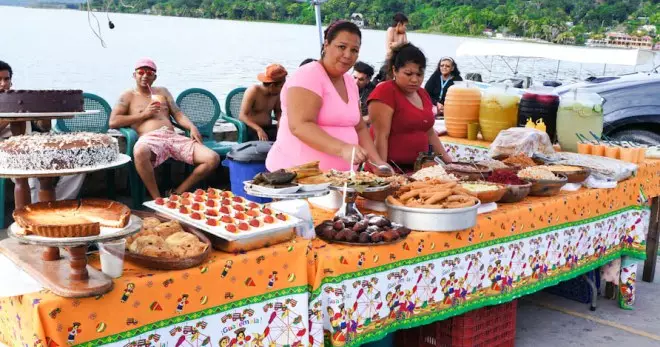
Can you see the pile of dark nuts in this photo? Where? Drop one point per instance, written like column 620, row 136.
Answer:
column 369, row 229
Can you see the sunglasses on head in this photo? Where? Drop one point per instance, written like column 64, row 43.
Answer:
column 147, row 72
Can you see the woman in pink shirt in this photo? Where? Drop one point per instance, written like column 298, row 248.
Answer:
column 321, row 109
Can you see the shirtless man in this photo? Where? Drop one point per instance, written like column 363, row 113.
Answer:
column 396, row 34
column 260, row 101
column 147, row 110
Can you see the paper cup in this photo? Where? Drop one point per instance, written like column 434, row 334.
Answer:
column 628, row 154
column 112, row 257
column 158, row 98
column 598, row 150
column 473, row 131
column 612, row 152
column 641, row 154
column 584, row 148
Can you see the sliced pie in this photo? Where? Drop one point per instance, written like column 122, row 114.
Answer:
column 72, row 218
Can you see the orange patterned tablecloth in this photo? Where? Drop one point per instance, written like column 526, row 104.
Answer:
column 359, row 294
column 263, row 292
column 309, row 293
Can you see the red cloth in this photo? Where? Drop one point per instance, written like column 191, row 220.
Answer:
column 408, row 132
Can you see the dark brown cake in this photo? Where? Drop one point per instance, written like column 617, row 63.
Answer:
column 39, row 101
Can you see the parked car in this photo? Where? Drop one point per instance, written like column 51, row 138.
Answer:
column 631, row 106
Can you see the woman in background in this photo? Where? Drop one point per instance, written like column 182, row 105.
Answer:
column 442, row 78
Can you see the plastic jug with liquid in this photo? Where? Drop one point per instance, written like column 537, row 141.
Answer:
column 461, row 108
column 498, row 111
column 580, row 112
column 540, row 103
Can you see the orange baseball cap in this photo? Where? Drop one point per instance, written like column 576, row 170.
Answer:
column 274, row 73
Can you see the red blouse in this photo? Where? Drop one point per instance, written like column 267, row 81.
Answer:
column 408, row 132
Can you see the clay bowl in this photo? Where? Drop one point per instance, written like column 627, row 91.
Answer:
column 547, row 187
column 491, row 195
column 381, row 195
column 169, row 264
column 574, row 176
column 516, row 193
column 476, row 172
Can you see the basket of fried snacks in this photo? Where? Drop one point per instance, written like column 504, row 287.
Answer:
column 433, row 205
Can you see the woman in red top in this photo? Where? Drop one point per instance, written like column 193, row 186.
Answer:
column 401, row 110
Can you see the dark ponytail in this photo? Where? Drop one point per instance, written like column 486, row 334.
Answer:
column 403, row 54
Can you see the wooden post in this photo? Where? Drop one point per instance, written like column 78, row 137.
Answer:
column 652, row 241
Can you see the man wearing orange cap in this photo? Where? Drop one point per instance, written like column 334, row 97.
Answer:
column 148, row 110
column 260, row 101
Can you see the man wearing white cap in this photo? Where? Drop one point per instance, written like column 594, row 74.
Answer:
column 148, row 110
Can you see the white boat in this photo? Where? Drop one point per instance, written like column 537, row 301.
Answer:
column 519, row 50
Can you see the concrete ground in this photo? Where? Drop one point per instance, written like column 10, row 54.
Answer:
column 546, row 320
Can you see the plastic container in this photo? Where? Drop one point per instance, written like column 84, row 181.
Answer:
column 540, row 103
column 580, row 112
column 485, row 327
column 498, row 111
column 610, row 152
column 584, row 148
column 576, row 289
column 112, row 257
column 244, row 162
column 461, row 107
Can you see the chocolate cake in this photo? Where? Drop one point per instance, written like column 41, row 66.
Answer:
column 38, row 101
column 57, row 151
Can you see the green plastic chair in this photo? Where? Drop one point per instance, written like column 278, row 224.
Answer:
column 96, row 123
column 203, row 109
column 233, row 108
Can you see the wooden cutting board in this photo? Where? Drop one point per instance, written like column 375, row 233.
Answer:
column 54, row 275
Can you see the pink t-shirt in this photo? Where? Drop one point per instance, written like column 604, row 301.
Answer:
column 335, row 117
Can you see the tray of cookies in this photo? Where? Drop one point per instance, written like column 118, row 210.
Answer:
column 166, row 244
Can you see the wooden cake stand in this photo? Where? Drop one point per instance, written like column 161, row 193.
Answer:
column 68, row 277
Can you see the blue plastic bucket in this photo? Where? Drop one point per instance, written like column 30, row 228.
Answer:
column 244, row 162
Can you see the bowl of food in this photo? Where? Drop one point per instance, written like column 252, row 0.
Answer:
column 468, row 171
column 544, row 182
column 574, row 174
column 517, row 189
column 395, row 183
column 486, row 192
column 516, row 193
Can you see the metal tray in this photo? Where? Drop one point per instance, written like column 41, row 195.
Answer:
column 301, row 194
column 256, row 242
column 220, row 232
column 426, row 219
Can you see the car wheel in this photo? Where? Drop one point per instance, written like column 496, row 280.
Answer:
column 639, row 136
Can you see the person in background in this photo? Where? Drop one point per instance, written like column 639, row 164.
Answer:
column 321, row 110
column 362, row 72
column 148, row 109
column 401, row 111
column 306, row 61
column 67, row 187
column 442, row 78
column 261, row 101
column 396, row 34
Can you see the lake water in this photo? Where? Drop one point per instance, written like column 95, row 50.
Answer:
column 56, row 49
